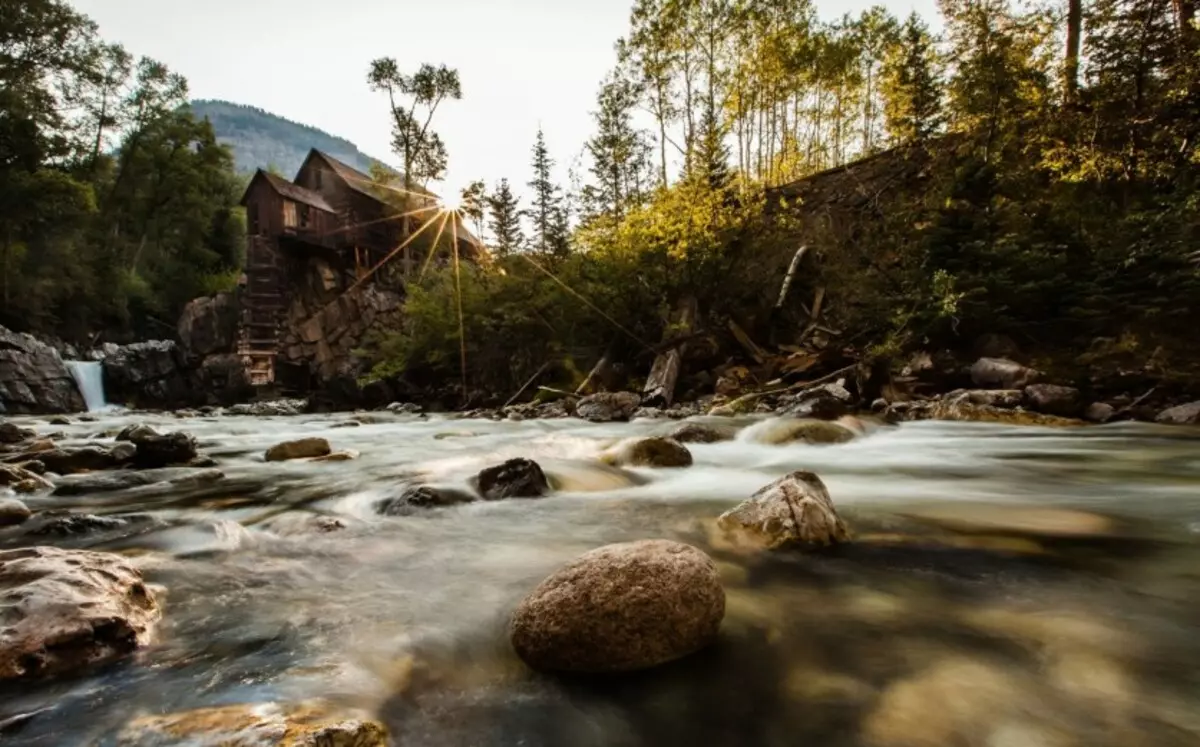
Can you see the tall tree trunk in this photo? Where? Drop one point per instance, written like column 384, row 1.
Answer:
column 1071, row 58
column 1185, row 16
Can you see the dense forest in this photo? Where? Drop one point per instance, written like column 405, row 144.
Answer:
column 1033, row 174
column 260, row 139
column 117, row 206
column 1033, row 177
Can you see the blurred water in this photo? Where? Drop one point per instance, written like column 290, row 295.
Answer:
column 1083, row 642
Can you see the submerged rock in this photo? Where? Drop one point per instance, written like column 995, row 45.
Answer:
column 608, row 406
column 1053, row 399
column 648, row 452
column 789, row 430
column 11, row 433
column 345, row 455
column 1001, row 373
column 23, row 480
column 795, row 511
column 13, row 512
column 304, row 448
column 516, row 478
column 1188, row 414
column 66, row 524
column 703, row 433
column 256, row 725
column 1003, row 398
column 423, row 497
column 107, row 482
column 70, row 461
column 943, row 410
column 63, row 610
column 621, row 608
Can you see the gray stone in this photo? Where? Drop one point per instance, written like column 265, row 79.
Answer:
column 149, row 375
column 107, row 482
column 795, row 511
column 649, row 452
column 1188, row 414
column 33, row 378
column 1099, row 412
column 608, row 407
column 1003, row 398
column 1053, row 399
column 67, row 610
column 1001, row 373
column 703, row 433
column 422, row 497
column 209, row 326
column 621, row 608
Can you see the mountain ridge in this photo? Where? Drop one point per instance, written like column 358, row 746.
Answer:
column 260, row 139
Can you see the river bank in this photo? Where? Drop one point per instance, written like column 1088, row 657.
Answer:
column 1003, row 582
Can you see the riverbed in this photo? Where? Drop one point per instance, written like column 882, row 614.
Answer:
column 1008, row 587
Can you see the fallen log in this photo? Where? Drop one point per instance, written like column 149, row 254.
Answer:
column 664, row 374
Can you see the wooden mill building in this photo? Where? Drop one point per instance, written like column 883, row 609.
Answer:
column 340, row 215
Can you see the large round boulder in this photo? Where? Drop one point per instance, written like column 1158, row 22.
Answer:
column 156, row 450
column 621, row 608
column 1053, row 399
column 65, row 610
column 516, row 478
column 1188, row 414
column 795, row 511
column 1001, row 373
column 798, row 430
column 649, row 452
column 703, row 433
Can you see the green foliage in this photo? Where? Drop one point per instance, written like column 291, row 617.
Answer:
column 114, row 219
column 551, row 233
column 414, row 100
column 912, row 85
column 504, row 220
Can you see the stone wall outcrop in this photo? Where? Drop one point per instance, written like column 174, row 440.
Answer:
column 33, row 378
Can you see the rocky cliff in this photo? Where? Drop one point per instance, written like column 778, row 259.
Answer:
column 33, row 378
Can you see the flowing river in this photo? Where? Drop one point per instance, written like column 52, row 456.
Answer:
column 1010, row 587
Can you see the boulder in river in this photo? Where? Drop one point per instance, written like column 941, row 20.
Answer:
column 65, row 610
column 825, row 402
column 1003, row 398
column 1053, row 399
column 621, row 608
column 22, row 480
column 702, row 433
column 303, row 448
column 648, row 452
column 795, row 511
column 11, row 433
column 13, row 512
column 66, row 461
column 802, row 430
column 606, row 407
column 421, row 497
column 1001, row 373
column 256, row 725
column 516, row 478
column 966, row 412
column 156, row 450
column 33, row 377
column 1188, row 414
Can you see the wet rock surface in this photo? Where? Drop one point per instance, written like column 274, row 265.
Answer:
column 66, row 610
column 303, row 448
column 649, row 452
column 608, row 407
column 516, row 478
column 33, row 377
column 1053, row 399
column 1001, row 373
column 621, row 608
column 1188, row 414
column 107, row 482
column 805, row 431
column 13, row 512
column 312, row 724
column 149, row 375
column 423, row 497
column 703, row 433
column 156, row 450
column 793, row 512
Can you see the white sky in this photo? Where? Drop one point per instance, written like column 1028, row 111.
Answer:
column 522, row 63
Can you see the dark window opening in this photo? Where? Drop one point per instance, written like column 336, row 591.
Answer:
column 304, row 216
column 252, row 218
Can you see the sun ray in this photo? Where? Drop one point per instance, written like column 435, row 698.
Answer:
column 433, row 248
column 384, row 219
column 586, row 302
column 393, row 253
column 462, row 335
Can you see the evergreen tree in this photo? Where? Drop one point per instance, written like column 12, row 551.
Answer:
column 620, row 153
column 504, row 219
column 912, row 86
column 546, row 197
column 712, row 153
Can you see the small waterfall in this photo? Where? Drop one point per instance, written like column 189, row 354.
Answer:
column 89, row 377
